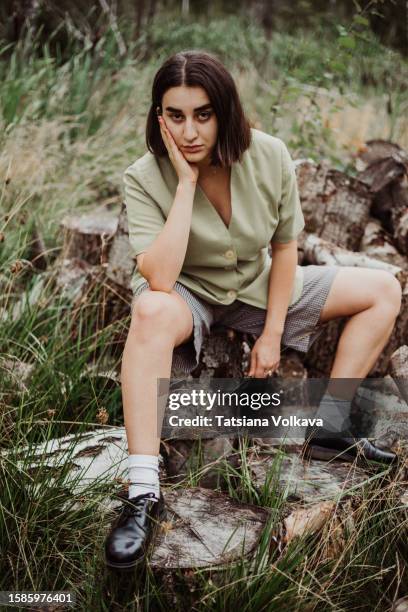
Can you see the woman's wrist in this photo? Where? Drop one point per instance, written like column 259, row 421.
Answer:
column 185, row 184
column 272, row 333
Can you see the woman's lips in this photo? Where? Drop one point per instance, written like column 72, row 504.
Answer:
column 193, row 149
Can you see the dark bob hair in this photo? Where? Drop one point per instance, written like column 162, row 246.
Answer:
column 195, row 68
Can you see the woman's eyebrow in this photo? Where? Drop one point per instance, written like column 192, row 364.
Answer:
column 178, row 110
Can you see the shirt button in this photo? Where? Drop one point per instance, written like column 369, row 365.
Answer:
column 232, row 294
column 230, row 254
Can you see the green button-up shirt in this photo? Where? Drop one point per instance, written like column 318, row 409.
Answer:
column 222, row 263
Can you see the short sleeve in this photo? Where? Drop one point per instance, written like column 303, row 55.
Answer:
column 291, row 220
column 145, row 219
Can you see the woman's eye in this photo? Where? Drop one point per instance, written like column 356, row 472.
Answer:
column 204, row 114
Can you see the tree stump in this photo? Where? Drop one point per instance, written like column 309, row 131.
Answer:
column 89, row 236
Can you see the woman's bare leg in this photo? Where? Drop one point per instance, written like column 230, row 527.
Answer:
column 160, row 321
column 372, row 300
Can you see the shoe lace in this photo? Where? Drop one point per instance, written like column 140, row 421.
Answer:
column 132, row 506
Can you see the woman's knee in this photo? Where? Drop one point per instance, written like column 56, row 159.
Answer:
column 357, row 289
column 156, row 314
column 389, row 293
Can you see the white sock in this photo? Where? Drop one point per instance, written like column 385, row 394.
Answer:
column 143, row 475
column 335, row 412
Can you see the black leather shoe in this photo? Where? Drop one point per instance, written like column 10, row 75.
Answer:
column 128, row 540
column 345, row 447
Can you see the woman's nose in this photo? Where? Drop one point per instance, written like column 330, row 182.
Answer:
column 190, row 129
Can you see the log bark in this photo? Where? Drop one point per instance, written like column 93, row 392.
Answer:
column 376, row 243
column 376, row 149
column 385, row 168
column 121, row 262
column 382, row 415
column 381, row 173
column 399, row 370
column 399, row 214
column 335, row 206
column 179, row 456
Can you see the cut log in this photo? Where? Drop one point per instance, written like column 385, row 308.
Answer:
column 93, row 299
column 306, row 521
column 399, row 370
column 179, row 457
column 381, row 172
column 89, row 236
column 291, row 365
column 72, row 277
column 386, row 178
column 204, row 528
column 399, row 214
column 308, row 481
column 401, row 605
column 121, row 262
column 335, row 206
column 322, row 252
column 380, row 149
column 401, row 233
column 380, row 414
column 377, row 243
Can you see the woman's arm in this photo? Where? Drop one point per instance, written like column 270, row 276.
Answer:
column 265, row 354
column 161, row 263
column 280, row 287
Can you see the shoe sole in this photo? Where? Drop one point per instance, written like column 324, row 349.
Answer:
column 162, row 515
column 325, row 454
column 321, row 452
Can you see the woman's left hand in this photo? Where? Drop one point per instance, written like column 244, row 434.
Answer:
column 265, row 356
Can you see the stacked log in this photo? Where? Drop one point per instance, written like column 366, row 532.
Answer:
column 375, row 235
column 203, row 527
column 350, row 221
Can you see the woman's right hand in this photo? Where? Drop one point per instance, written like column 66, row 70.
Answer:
column 186, row 171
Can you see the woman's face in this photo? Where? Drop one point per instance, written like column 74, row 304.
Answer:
column 191, row 120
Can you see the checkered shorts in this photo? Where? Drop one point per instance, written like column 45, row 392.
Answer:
column 301, row 327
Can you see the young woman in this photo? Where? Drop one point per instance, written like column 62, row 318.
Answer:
column 202, row 205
